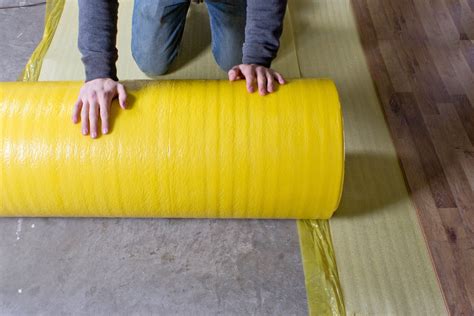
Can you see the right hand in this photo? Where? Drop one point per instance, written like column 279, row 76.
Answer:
column 94, row 101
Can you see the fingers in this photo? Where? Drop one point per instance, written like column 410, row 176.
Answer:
column 122, row 96
column 270, row 82
column 93, row 116
column 261, row 80
column 235, row 74
column 104, row 106
column 248, row 71
column 265, row 78
column 76, row 111
column 85, row 117
column 279, row 78
column 93, row 105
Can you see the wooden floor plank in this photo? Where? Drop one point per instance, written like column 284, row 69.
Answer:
column 440, row 131
column 466, row 114
column 466, row 156
column 440, row 51
column 421, row 57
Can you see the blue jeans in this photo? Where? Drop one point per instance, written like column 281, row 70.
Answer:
column 158, row 25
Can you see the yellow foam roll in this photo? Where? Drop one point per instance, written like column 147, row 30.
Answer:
column 204, row 149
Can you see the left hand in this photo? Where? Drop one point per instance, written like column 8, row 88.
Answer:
column 265, row 78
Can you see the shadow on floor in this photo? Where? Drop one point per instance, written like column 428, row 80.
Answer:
column 372, row 181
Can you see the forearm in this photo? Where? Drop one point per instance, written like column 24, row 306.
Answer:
column 263, row 30
column 97, row 37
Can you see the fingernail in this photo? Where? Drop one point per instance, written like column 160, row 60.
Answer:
column 84, row 132
column 105, row 130
column 94, row 135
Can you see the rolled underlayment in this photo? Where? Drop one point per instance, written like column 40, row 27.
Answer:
column 184, row 148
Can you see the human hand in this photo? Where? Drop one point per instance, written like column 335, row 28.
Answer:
column 94, row 101
column 263, row 76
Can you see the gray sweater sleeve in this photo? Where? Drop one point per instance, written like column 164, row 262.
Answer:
column 263, row 29
column 97, row 37
column 98, row 31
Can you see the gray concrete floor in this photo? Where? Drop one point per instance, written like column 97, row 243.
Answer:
column 55, row 266
column 20, row 31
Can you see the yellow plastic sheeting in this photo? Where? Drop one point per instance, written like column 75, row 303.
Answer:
column 321, row 277
column 53, row 14
column 184, row 149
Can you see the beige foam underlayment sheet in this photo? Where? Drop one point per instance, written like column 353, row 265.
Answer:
column 383, row 262
column 384, row 265
column 195, row 61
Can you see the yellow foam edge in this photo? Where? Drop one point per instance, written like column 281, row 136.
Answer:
column 32, row 70
column 320, row 269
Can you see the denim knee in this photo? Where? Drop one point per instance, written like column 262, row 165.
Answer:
column 228, row 31
column 157, row 27
column 225, row 61
column 151, row 63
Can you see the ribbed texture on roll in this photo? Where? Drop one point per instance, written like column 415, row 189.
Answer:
column 183, row 149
